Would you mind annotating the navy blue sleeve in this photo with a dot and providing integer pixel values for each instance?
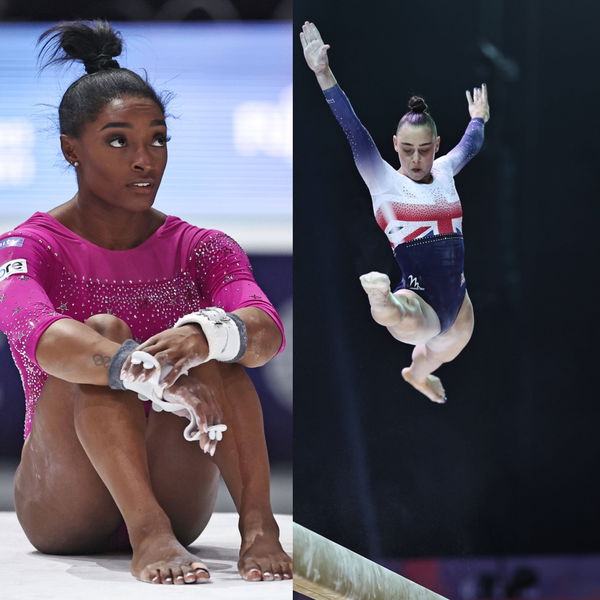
(469, 145)
(368, 161)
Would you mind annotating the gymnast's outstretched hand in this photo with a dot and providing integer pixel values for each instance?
(478, 103)
(315, 51)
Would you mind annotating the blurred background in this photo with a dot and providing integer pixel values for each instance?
(228, 66)
(492, 495)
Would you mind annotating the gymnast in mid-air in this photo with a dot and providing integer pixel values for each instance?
(419, 209)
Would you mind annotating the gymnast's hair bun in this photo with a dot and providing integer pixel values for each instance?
(417, 105)
(94, 43)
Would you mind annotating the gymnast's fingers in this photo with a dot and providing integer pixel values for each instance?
(177, 370)
(303, 40)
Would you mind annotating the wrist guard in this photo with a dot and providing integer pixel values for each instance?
(225, 333)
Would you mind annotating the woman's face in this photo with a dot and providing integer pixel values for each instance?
(122, 154)
(416, 147)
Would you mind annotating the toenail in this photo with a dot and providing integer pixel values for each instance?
(168, 579)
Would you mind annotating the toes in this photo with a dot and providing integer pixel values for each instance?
(177, 576)
(166, 576)
(188, 575)
(201, 572)
(150, 576)
(268, 576)
(253, 574)
(286, 570)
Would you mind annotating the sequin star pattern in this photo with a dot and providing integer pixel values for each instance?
(179, 270)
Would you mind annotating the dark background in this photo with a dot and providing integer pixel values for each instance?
(508, 465)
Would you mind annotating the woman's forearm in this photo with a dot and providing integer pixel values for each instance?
(326, 79)
(75, 352)
(264, 337)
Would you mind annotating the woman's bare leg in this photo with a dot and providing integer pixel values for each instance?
(242, 459)
(84, 463)
(429, 356)
(405, 314)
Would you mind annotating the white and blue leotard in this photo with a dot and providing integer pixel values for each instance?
(423, 222)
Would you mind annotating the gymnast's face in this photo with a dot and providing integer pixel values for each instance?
(122, 154)
(416, 147)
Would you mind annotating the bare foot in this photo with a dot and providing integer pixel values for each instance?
(431, 386)
(376, 285)
(160, 558)
(385, 309)
(262, 558)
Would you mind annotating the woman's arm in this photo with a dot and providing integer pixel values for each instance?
(472, 141)
(75, 352)
(224, 277)
(367, 158)
(60, 345)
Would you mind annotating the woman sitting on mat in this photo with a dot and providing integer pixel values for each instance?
(99, 470)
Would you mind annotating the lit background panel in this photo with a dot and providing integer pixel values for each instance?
(230, 157)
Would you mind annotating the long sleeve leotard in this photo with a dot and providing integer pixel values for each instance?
(415, 215)
(47, 273)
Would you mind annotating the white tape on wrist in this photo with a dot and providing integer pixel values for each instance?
(225, 333)
(152, 390)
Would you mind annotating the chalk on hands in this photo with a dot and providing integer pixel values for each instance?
(146, 360)
(216, 432)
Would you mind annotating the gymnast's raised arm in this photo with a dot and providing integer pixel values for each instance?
(472, 140)
(368, 160)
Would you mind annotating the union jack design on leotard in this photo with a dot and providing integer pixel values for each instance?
(405, 209)
(405, 221)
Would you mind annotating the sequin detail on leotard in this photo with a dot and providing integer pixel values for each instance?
(180, 269)
(410, 212)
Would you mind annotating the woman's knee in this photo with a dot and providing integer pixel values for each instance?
(110, 327)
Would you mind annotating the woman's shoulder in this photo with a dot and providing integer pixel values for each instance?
(40, 228)
(196, 236)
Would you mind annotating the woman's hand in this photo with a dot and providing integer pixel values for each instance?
(201, 400)
(478, 103)
(315, 51)
(180, 348)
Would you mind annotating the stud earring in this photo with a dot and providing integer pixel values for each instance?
(76, 163)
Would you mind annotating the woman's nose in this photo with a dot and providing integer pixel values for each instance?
(141, 160)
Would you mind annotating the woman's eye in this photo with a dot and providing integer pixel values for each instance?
(117, 142)
(161, 140)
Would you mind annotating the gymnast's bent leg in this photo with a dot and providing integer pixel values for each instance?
(241, 457)
(84, 465)
(406, 315)
(429, 356)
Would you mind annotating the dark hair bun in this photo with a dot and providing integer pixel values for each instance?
(417, 105)
(94, 43)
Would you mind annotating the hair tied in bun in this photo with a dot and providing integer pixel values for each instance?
(99, 63)
(417, 105)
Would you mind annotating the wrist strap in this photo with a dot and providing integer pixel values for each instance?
(225, 333)
(114, 369)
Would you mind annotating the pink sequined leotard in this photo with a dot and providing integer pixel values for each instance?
(47, 273)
